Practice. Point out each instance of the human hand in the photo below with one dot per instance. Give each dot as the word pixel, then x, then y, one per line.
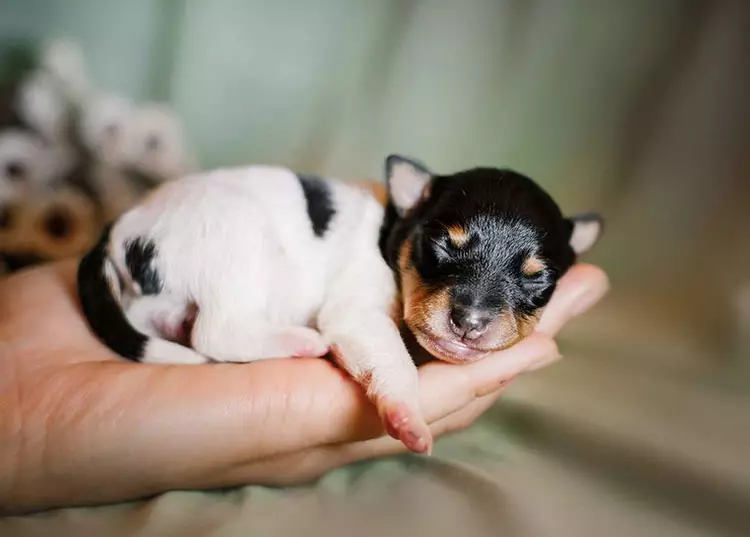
pixel 78 425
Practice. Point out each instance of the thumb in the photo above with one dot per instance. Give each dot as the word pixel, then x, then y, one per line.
pixel 577 291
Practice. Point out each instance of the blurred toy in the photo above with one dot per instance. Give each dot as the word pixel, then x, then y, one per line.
pixel 42 107
pixel 103 124
pixel 28 164
pixel 21 162
pixel 74 156
pixel 62 224
pixel 157 146
pixel 55 226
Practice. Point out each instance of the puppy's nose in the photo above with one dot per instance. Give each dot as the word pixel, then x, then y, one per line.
pixel 469 323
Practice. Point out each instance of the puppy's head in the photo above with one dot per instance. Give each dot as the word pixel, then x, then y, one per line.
pixel 477 254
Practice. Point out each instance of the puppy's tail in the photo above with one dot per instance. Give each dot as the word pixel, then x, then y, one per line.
pixel 99 290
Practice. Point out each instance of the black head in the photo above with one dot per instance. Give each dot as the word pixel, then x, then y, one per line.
pixel 477 254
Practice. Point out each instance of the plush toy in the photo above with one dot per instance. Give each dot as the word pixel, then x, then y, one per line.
pixel 42 107
pixel 130 148
pixel 74 156
pixel 54 226
pixel 157 148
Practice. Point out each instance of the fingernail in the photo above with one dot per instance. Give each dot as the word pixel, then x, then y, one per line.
pixel 544 362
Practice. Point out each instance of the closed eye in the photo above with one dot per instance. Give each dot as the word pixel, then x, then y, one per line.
pixel 441 249
pixel 534 277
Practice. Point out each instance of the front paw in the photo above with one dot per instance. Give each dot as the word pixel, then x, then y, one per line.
pixel 405 423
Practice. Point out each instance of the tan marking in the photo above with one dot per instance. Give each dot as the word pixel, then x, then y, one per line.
pixel 380 192
pixel 508 329
pixel 533 265
pixel 426 191
pixel 422 307
pixel 419 304
pixel 458 235
pixel 527 323
pixel 375 188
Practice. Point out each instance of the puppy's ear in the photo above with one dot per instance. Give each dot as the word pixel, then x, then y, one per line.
pixel 406 179
pixel 585 230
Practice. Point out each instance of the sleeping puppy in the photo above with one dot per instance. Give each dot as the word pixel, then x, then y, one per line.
pixel 477 255
pixel 254 263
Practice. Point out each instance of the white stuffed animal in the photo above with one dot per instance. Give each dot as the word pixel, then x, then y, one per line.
pixel 157 144
pixel 29 164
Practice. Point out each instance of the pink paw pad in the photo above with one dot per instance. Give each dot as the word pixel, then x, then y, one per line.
pixel 403 424
pixel 309 347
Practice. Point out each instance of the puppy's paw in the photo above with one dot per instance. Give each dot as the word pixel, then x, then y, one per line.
pixel 405 423
pixel 301 342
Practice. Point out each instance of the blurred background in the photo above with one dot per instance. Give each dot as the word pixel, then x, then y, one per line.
pixel 638 109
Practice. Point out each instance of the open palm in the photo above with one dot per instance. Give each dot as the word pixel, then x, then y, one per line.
pixel 78 425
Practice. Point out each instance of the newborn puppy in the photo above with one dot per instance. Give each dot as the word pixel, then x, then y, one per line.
pixel 477 255
pixel 254 263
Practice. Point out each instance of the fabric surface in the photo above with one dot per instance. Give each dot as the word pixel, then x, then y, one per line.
pixel 457 490
pixel 489 480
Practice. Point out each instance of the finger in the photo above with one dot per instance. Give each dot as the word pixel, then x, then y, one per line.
pixel 301 466
pixel 446 388
pixel 577 291
pixel 493 372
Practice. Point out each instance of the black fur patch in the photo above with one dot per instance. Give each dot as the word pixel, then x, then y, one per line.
pixel 140 254
pixel 101 309
pixel 319 202
pixel 506 217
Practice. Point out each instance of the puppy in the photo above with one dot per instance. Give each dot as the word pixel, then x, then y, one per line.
pixel 476 254
pixel 256 263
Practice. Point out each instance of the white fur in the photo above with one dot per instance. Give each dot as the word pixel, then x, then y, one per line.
pixel 238 243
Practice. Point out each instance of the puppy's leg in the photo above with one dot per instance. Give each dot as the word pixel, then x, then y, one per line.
pixel 368 346
pixel 357 322
pixel 246 338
